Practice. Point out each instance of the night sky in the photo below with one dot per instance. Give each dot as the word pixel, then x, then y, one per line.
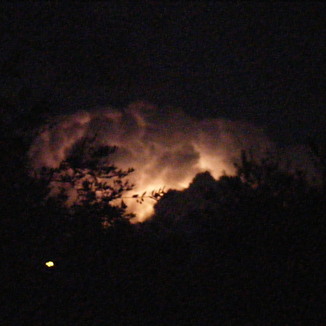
pixel 262 63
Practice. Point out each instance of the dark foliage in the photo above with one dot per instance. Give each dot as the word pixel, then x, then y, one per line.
pixel 96 183
pixel 242 250
pixel 256 242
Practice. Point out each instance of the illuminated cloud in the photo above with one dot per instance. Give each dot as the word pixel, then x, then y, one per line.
pixel 164 146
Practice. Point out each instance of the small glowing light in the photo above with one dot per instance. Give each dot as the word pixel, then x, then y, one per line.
pixel 49 264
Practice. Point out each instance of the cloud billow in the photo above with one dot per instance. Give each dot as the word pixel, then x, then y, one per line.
pixel 167 148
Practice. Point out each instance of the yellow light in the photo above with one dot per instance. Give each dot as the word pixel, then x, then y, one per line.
pixel 49 264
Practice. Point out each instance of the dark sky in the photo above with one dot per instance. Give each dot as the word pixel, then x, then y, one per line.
pixel 260 62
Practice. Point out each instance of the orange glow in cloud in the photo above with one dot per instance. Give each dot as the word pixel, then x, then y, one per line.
pixel 166 147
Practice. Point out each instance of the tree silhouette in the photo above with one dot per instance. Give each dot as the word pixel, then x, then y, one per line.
pixel 93 182
pixel 269 176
